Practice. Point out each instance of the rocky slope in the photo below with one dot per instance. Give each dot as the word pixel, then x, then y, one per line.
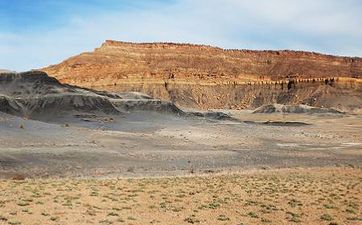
pixel 36 95
pixel 209 77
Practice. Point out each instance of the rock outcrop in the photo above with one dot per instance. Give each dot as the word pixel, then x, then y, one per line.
pixel 209 77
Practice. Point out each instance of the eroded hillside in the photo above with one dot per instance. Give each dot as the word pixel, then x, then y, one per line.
pixel 209 77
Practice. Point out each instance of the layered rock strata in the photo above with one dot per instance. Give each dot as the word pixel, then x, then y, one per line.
pixel 209 77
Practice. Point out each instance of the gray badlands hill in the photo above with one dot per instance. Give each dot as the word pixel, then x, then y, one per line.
pixel 35 94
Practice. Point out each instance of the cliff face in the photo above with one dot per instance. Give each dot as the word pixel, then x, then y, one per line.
pixel 209 77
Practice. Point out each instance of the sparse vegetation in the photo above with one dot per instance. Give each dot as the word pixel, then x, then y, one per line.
pixel 263 198
pixel 223 218
pixel 326 217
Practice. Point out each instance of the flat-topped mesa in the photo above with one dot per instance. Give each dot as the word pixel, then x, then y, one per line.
pixel 210 77
pixel 119 62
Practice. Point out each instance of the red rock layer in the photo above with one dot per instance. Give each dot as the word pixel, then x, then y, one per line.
pixel 193 71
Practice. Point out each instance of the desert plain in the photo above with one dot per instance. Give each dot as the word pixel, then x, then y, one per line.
pixel 160 168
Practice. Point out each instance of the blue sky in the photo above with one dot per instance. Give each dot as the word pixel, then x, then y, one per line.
pixel 37 33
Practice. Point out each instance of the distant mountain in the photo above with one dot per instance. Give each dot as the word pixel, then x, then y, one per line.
pixel 209 77
pixel 6 71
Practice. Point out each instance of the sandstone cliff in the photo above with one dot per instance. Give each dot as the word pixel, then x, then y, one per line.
pixel 210 77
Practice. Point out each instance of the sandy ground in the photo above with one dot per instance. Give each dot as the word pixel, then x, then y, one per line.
pixel 282 196
pixel 152 168
pixel 153 144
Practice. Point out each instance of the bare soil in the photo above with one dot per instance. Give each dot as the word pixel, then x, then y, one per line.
pixel 152 144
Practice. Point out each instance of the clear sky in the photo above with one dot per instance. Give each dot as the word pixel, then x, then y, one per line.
pixel 37 33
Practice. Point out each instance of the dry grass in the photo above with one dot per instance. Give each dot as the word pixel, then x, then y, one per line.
pixel 293 196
